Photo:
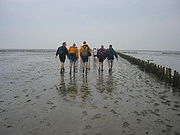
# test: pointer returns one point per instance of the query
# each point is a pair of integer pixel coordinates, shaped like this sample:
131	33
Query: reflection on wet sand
84	89
71	91
109	83
62	86
105	84
100	82
95	64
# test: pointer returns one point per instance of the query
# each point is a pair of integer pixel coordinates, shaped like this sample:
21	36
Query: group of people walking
103	53
85	52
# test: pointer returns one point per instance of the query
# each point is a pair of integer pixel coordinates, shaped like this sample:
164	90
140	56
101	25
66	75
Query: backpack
86	52
101	54
61	50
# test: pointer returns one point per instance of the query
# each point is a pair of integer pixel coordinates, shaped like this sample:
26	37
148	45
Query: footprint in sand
25	90
137	113
44	89
16	96
138	121
176	106
50	103
37	97
113	111
28	100
156	104
98	116
8	126
2	110
115	101
84	113
87	127
53	107
125	125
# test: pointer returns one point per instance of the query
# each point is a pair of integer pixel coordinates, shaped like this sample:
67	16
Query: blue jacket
62	50
111	53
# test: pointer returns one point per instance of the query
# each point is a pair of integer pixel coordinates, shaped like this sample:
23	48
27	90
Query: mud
35	99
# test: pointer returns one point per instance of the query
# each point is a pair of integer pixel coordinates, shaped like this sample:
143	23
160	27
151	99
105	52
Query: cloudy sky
126	24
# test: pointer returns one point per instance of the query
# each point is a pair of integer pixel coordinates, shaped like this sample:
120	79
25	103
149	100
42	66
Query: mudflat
35	99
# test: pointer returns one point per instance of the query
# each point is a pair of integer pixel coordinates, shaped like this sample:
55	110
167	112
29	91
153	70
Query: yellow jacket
73	49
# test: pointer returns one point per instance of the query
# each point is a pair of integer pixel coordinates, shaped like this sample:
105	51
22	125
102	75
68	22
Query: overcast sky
126	24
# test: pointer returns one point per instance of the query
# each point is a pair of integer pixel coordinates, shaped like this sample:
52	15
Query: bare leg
101	66
83	66
71	66
86	65
111	64
74	64
62	66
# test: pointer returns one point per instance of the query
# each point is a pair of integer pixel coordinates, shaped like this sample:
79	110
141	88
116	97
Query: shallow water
35	99
170	59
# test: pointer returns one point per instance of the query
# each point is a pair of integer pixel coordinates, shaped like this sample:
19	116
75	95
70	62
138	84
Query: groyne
163	73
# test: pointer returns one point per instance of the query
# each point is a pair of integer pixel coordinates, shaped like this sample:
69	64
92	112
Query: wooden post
175	79
179	82
170	77
166	74
162	73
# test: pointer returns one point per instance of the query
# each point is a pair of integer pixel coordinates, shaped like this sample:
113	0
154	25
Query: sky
126	24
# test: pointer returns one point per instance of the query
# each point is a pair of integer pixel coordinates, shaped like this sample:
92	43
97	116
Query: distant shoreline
124	51
27	50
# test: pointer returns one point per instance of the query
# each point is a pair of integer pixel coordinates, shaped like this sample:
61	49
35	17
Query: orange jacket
73	49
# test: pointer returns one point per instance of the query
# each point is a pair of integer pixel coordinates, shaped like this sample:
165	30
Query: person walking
95	52
101	54
62	52
73	56
85	52
110	56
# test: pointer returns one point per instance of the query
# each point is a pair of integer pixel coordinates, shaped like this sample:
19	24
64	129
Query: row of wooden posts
163	73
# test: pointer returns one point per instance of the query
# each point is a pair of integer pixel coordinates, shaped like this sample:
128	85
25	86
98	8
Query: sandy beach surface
35	99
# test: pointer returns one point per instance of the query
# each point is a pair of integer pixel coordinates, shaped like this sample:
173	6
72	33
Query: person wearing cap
73	56
62	52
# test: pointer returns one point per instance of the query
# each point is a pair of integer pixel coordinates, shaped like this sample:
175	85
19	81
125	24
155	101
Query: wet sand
35	99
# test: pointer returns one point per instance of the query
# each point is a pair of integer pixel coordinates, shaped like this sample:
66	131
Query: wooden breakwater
163	73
